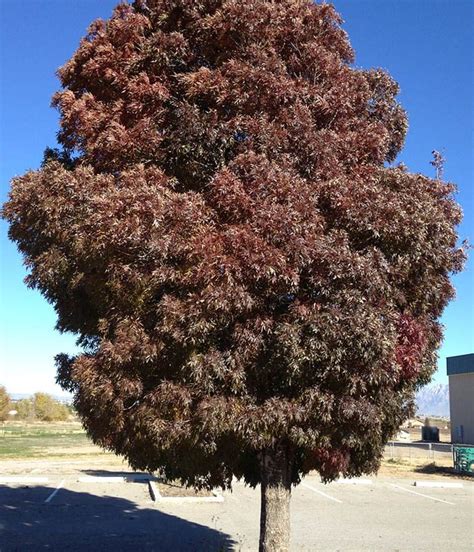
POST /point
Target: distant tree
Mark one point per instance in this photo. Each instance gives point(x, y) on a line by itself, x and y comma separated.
point(257, 293)
point(42, 407)
point(48, 409)
point(25, 409)
point(5, 403)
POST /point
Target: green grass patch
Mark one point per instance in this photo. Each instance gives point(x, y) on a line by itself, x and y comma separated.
point(43, 440)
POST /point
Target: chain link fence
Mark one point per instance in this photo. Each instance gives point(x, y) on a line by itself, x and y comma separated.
point(419, 452)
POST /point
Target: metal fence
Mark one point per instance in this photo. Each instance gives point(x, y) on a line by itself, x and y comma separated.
point(430, 452)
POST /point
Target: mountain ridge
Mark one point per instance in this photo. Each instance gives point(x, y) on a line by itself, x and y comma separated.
point(433, 400)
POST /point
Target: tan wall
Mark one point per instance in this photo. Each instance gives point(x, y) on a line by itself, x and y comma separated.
point(461, 405)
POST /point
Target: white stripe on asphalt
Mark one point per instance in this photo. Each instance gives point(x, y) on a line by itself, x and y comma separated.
point(320, 492)
point(421, 494)
point(55, 492)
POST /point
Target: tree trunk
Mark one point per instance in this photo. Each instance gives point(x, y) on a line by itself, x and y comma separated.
point(275, 505)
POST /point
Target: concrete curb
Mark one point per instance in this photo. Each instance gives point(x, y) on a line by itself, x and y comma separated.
point(114, 478)
point(23, 479)
point(154, 492)
point(156, 496)
point(438, 484)
point(355, 481)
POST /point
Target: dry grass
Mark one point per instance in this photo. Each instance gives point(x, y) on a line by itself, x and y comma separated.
point(61, 447)
point(40, 440)
point(65, 448)
point(420, 470)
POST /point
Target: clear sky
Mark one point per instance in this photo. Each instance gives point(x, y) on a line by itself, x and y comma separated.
point(427, 45)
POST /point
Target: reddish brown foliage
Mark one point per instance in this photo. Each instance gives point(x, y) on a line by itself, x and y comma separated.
point(241, 267)
point(329, 461)
point(410, 347)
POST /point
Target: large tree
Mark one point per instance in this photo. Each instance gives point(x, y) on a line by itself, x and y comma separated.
point(256, 289)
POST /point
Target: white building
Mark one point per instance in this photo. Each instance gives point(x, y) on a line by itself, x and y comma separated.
point(461, 398)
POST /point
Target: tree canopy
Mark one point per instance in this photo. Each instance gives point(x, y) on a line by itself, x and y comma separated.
point(225, 233)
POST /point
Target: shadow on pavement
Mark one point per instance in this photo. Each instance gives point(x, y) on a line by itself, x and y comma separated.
point(80, 521)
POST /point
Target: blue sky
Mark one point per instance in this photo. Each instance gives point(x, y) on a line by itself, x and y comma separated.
point(426, 45)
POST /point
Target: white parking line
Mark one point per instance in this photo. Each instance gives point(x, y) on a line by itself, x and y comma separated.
point(421, 494)
point(320, 492)
point(54, 493)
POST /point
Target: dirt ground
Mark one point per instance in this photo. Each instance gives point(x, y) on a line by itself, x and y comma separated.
point(174, 488)
point(109, 464)
point(28, 449)
point(421, 470)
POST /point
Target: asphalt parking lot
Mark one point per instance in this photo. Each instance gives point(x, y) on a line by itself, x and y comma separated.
point(72, 513)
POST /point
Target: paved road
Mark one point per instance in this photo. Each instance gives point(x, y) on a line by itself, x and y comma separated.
point(63, 514)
